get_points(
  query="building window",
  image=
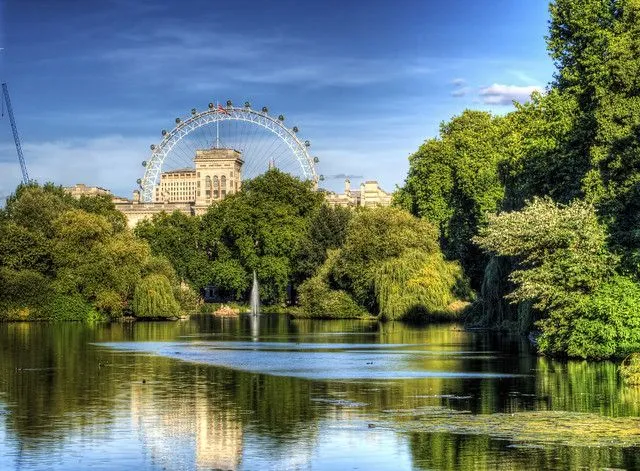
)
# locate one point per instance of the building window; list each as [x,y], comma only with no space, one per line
[223,182]
[216,187]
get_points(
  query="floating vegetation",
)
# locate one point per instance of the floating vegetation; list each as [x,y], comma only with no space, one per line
[524,428]
[443,396]
[340,402]
[630,369]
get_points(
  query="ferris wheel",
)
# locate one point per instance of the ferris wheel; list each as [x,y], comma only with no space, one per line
[263,140]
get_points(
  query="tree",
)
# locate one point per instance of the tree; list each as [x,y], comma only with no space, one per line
[390,264]
[62,258]
[261,228]
[154,298]
[176,236]
[563,267]
[453,182]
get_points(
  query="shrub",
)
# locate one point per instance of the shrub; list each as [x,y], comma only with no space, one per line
[63,307]
[317,299]
[602,325]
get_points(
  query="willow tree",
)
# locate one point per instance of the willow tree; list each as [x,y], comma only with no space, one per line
[154,298]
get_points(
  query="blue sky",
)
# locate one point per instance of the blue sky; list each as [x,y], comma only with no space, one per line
[93,82]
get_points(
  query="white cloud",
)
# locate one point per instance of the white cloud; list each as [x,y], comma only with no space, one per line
[458,82]
[498,94]
[113,162]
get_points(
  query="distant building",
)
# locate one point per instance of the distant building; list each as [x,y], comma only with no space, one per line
[369,194]
[217,173]
[83,190]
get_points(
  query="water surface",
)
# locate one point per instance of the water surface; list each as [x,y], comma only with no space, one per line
[297,394]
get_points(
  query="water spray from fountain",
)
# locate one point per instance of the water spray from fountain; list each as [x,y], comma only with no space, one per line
[255,296]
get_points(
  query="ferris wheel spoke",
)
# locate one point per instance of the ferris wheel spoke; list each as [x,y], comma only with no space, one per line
[269,150]
[260,137]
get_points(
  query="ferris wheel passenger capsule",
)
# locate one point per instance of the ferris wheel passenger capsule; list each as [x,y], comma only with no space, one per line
[164,132]
[265,109]
[194,111]
[139,181]
[307,143]
[321,178]
[247,104]
[295,129]
[281,117]
[144,163]
[229,104]
[210,106]
[316,160]
[153,147]
[178,120]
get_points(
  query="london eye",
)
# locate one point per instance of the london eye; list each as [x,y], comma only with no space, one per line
[263,139]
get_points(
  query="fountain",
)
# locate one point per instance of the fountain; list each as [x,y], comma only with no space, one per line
[255,308]
[255,296]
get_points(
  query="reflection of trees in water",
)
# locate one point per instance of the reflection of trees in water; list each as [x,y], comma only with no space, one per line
[55,383]
[583,386]
[447,451]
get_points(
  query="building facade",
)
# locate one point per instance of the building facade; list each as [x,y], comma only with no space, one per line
[217,173]
[369,194]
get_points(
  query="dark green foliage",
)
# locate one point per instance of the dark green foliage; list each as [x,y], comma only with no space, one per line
[578,141]
[602,325]
[327,231]
[64,307]
[563,269]
[453,182]
[230,278]
[68,259]
[175,236]
[22,293]
[274,226]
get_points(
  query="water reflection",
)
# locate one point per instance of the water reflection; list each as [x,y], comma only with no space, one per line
[68,403]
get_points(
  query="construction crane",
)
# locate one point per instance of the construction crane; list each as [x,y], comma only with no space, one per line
[16,136]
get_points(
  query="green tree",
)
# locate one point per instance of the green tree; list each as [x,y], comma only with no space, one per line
[154,298]
[176,236]
[390,264]
[454,182]
[563,267]
[261,228]
[68,259]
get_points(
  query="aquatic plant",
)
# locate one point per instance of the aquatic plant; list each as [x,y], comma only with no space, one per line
[548,427]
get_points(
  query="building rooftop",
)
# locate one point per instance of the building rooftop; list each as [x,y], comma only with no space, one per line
[217,154]
[180,170]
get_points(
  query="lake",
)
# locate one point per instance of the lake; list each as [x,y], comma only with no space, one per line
[212,393]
